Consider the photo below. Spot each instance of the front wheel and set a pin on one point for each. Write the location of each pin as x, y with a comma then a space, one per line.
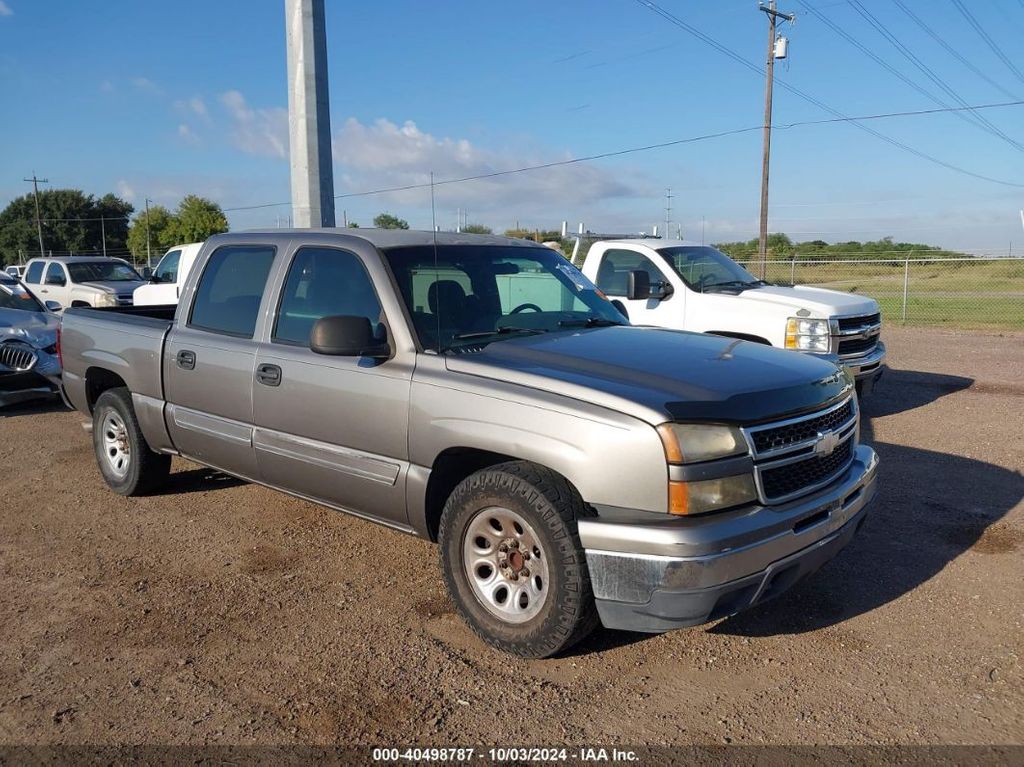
512, 559
125, 460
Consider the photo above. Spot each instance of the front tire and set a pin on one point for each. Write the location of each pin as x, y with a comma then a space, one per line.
512, 559
125, 460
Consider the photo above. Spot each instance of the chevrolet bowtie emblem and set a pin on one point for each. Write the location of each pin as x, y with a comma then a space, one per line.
826, 443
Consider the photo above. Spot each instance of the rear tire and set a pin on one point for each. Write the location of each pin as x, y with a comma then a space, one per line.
125, 460
518, 519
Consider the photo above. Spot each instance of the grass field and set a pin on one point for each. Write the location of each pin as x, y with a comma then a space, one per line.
967, 294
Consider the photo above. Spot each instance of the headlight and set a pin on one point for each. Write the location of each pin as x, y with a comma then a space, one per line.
690, 443
711, 494
807, 335
106, 299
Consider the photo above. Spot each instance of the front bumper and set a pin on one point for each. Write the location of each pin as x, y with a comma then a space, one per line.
676, 572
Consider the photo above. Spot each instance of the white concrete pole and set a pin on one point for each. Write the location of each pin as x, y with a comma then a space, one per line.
309, 114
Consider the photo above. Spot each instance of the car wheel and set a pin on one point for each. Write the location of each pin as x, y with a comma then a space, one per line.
125, 460
512, 559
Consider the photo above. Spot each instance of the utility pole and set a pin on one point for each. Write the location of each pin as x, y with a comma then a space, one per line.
103, 234
773, 17
149, 254
39, 223
309, 114
668, 210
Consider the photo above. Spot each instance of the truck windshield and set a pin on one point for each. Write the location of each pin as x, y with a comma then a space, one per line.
471, 295
102, 271
706, 269
14, 296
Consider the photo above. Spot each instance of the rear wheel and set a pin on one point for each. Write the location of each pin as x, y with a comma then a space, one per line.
125, 460
513, 562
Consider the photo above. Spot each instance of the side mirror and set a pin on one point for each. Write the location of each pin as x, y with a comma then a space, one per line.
53, 306
639, 286
347, 336
147, 274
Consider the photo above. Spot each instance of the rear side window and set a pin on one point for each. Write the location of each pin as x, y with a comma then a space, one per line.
230, 290
167, 269
613, 274
34, 273
323, 282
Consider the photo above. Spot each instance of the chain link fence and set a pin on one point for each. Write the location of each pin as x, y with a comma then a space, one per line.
954, 292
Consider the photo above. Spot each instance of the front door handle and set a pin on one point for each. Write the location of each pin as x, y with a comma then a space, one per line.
186, 360
268, 375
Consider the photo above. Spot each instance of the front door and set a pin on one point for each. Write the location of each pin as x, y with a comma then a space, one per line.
55, 285
209, 360
330, 428
613, 280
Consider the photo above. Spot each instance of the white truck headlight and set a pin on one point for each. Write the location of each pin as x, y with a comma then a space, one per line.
106, 299
807, 335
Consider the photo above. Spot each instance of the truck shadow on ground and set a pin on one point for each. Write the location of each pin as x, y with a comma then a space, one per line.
931, 508
198, 480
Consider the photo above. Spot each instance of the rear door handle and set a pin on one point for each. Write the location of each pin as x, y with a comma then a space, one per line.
186, 359
268, 375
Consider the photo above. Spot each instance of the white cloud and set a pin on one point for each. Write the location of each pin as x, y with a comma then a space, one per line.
257, 131
186, 134
125, 190
145, 84
5, 9
385, 154
197, 105
106, 87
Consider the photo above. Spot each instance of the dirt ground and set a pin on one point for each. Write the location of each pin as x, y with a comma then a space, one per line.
221, 612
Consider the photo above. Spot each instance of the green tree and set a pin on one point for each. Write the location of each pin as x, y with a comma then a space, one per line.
353, 225
161, 233
197, 219
387, 221
73, 222
477, 229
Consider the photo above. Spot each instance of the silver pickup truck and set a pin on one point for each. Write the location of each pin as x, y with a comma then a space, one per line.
481, 393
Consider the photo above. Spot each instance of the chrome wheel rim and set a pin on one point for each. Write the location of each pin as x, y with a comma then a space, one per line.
116, 447
505, 564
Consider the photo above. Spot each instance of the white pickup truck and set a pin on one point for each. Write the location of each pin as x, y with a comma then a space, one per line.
687, 286
164, 286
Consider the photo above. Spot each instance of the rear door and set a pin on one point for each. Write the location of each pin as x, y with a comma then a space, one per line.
334, 429
210, 356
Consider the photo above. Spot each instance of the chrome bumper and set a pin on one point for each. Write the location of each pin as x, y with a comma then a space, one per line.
687, 571
868, 366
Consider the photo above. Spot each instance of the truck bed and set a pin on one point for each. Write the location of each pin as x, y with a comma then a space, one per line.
152, 316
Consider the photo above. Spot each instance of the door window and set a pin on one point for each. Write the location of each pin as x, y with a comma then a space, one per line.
613, 274
55, 274
323, 282
167, 269
34, 272
228, 296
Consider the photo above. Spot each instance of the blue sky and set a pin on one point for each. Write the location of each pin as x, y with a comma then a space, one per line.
162, 99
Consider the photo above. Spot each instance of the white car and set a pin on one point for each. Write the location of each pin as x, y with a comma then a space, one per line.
17, 272
169, 276
82, 281
688, 286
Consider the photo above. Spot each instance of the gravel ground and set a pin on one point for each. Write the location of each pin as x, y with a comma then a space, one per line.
223, 612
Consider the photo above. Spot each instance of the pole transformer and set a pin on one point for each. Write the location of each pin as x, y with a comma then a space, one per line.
39, 222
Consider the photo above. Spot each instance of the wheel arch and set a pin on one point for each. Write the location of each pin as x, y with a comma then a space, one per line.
99, 380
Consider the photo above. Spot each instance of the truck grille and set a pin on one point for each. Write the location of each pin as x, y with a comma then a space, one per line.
799, 455
778, 437
858, 345
853, 323
17, 356
795, 477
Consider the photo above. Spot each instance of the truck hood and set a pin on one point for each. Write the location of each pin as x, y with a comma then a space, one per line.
661, 375
821, 302
122, 288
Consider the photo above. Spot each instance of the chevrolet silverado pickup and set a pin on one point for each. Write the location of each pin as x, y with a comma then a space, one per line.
689, 286
481, 393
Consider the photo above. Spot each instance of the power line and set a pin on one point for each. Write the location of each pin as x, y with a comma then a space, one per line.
953, 51
677, 142
929, 73
988, 40
981, 123
817, 102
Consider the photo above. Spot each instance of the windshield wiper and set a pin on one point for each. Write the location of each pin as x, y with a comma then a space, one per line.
734, 284
590, 322
503, 331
